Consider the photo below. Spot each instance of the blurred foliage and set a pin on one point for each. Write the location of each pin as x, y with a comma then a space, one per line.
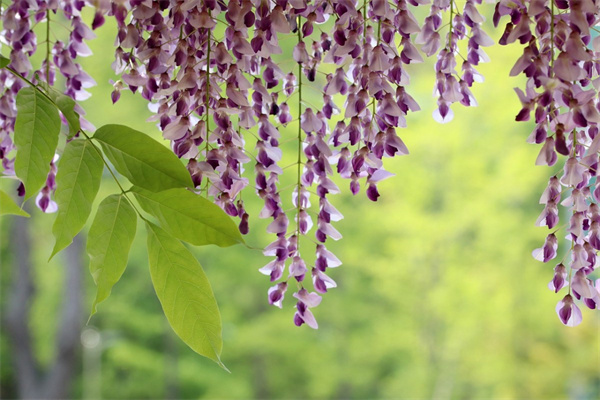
438, 295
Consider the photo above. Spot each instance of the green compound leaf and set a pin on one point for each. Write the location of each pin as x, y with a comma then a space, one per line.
77, 183
143, 160
108, 243
8, 206
36, 137
184, 293
189, 217
4, 62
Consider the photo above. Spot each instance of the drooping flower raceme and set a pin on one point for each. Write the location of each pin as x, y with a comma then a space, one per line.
562, 64
450, 87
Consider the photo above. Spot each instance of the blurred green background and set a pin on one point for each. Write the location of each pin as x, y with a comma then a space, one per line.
438, 296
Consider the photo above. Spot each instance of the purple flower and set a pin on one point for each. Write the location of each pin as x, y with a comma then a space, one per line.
298, 268
304, 316
548, 251
583, 286
276, 294
568, 312
560, 278
309, 299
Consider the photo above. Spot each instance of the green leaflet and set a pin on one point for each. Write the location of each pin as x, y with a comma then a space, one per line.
66, 105
143, 160
189, 217
77, 183
4, 61
184, 293
36, 137
8, 206
108, 243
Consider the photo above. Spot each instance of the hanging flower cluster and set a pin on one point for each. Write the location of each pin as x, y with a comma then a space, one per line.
18, 21
224, 78
450, 87
562, 66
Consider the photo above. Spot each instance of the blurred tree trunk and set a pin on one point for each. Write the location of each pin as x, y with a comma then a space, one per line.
33, 380
261, 387
171, 373
17, 317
